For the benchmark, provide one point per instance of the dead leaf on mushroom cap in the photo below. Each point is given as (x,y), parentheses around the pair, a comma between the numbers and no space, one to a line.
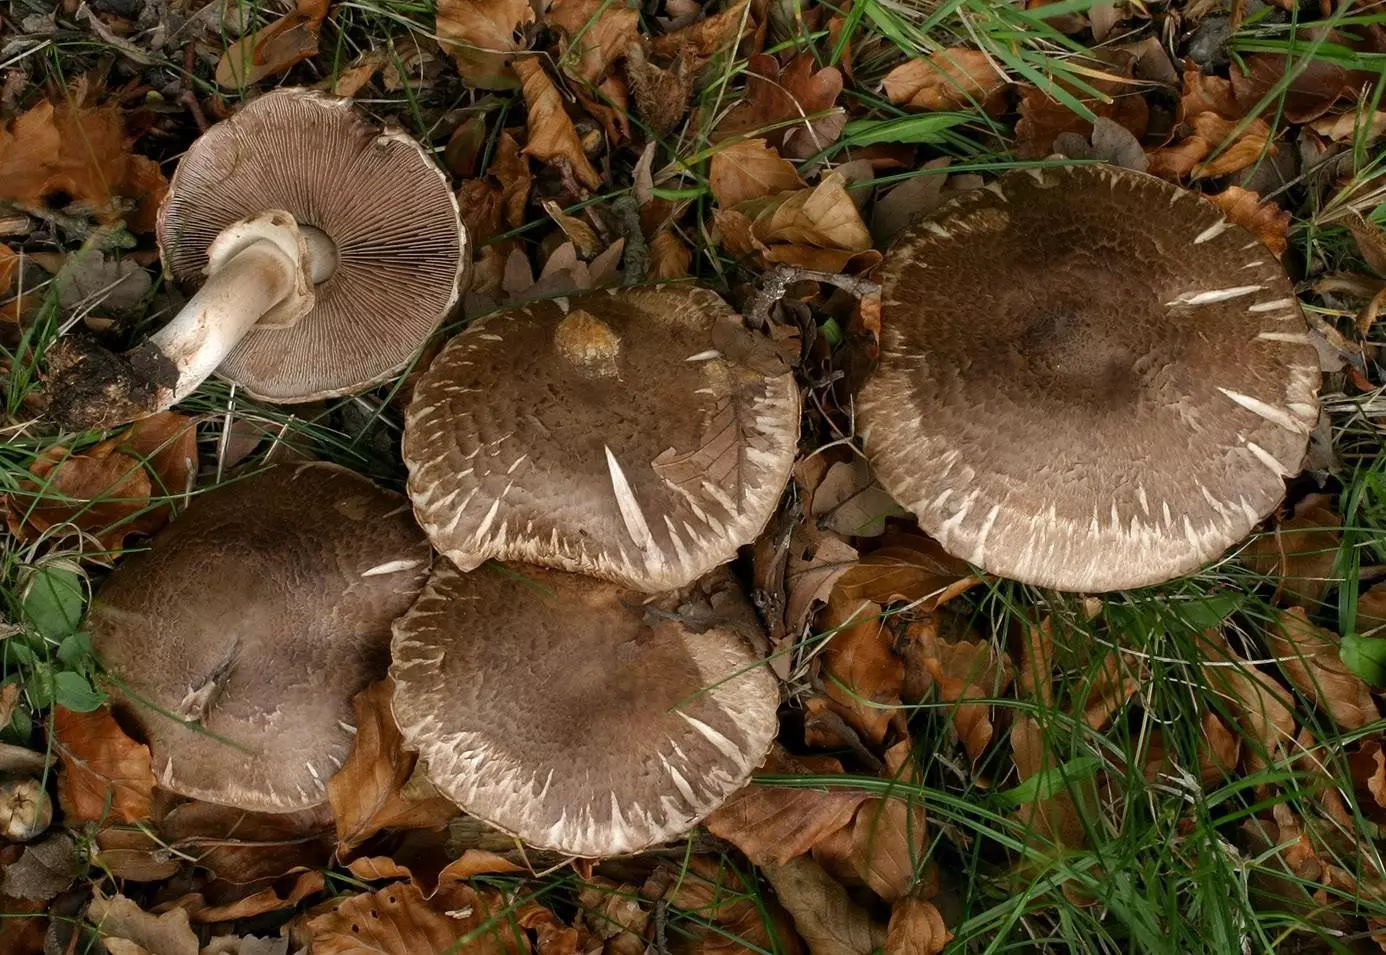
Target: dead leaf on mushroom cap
(482,36)
(106,490)
(1269,222)
(954,78)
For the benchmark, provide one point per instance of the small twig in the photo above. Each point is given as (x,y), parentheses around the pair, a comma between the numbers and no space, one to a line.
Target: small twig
(661,924)
(189,99)
(637,253)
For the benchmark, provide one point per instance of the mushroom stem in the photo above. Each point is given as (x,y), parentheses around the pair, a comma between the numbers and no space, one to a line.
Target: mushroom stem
(260,271)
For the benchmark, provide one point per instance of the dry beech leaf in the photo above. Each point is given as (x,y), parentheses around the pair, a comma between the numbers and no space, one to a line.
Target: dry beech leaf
(907,567)
(597,33)
(1301,552)
(772,824)
(1219,750)
(1316,84)
(1044,118)
(1309,657)
(862,676)
(82,153)
(954,78)
(1261,708)
(552,137)
(291,39)
(1269,222)
(1115,680)
(1347,125)
(885,846)
(741,916)
(482,36)
(243,847)
(126,929)
(968,670)
(670,257)
(749,169)
(367,793)
(1368,767)
(105,490)
(1212,132)
(823,217)
(105,775)
(510,167)
(827,919)
(614,914)
(706,38)
(397,920)
(1049,823)
(916,928)
(265,900)
(816,561)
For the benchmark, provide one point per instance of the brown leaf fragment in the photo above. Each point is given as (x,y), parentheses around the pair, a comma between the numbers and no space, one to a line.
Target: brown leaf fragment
(265,900)
(42,871)
(1269,222)
(1309,657)
(707,37)
(397,920)
(596,34)
(822,217)
(1043,117)
(966,670)
(749,169)
(552,136)
(741,916)
(1055,822)
(126,928)
(779,104)
(367,794)
(670,257)
(1368,768)
(907,567)
(1317,84)
(1219,750)
(773,824)
(1115,680)
(105,775)
(827,918)
(291,39)
(614,914)
(243,847)
(916,928)
(1300,554)
(1261,708)
(950,79)
(482,36)
(862,676)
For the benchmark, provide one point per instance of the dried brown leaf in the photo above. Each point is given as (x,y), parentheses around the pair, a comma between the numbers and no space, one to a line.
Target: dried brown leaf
(265,900)
(482,36)
(596,34)
(552,136)
(1300,554)
(965,670)
(291,39)
(243,847)
(822,217)
(780,103)
(1043,118)
(1269,222)
(1260,706)
(829,921)
(1049,823)
(907,568)
(773,824)
(1314,87)
(1309,657)
(863,677)
(749,169)
(367,795)
(670,257)
(916,928)
(1116,679)
(953,78)
(707,37)
(397,920)
(105,775)
(126,928)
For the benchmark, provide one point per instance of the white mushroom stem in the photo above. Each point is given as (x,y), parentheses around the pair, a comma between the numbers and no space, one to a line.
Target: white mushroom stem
(260,271)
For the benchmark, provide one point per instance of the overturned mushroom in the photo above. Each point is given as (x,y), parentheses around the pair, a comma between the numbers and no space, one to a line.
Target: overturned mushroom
(574,714)
(330,250)
(1089,379)
(639,435)
(237,641)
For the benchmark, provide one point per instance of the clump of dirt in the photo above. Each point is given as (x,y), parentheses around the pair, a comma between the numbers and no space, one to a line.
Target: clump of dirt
(88,386)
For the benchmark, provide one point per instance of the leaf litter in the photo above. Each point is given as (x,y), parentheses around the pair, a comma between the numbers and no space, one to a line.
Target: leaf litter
(569,128)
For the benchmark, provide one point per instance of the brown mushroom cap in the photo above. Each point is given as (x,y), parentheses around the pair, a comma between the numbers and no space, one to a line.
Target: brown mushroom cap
(638,435)
(401,248)
(256,616)
(1089,379)
(574,714)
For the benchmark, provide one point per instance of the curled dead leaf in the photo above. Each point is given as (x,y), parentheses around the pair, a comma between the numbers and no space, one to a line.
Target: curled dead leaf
(552,136)
(126,929)
(1309,657)
(291,39)
(749,169)
(596,34)
(827,918)
(1269,222)
(863,677)
(398,920)
(773,824)
(368,793)
(482,36)
(967,670)
(916,928)
(954,78)
(670,257)
(105,775)
(1260,706)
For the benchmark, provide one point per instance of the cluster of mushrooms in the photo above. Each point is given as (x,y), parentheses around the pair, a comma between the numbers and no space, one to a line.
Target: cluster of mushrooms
(1088,380)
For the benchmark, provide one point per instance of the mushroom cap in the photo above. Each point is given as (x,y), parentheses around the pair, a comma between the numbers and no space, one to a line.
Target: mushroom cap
(258,614)
(401,248)
(1089,379)
(573,714)
(637,435)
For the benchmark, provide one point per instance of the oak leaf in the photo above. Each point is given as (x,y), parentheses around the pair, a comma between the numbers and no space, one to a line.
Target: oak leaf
(368,793)
(827,918)
(916,928)
(954,78)
(781,103)
(747,170)
(1309,657)
(482,36)
(773,824)
(105,775)
(552,136)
